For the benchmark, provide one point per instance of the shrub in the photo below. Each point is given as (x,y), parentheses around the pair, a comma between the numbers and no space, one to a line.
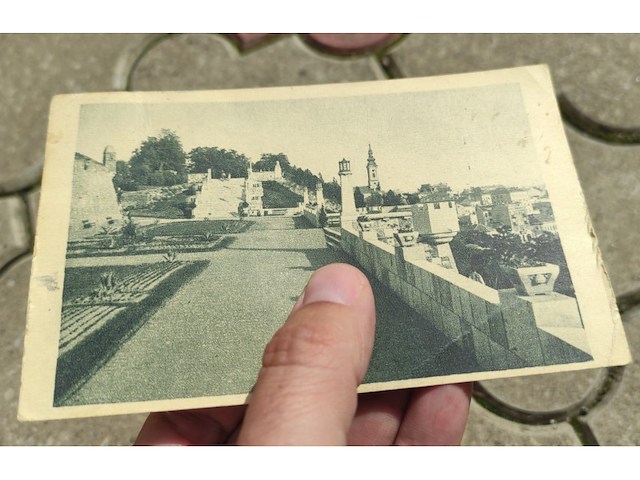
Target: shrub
(171,256)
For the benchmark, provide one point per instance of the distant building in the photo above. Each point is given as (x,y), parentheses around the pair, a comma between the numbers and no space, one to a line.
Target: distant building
(373,179)
(500,196)
(536,193)
(468,219)
(438,221)
(480,198)
(483,215)
(485,199)
(542,223)
(543,207)
(513,216)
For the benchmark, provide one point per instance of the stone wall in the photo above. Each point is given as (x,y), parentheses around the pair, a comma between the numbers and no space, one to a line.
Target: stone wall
(500,329)
(286,212)
(311,214)
(94,203)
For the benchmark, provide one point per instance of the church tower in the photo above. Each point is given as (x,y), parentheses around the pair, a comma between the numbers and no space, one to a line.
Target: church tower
(372,171)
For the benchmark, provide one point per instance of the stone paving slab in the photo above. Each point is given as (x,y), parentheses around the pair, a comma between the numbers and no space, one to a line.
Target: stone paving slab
(599,73)
(617,421)
(610,179)
(14,228)
(34,68)
(33,200)
(117,430)
(188,62)
(486,428)
(545,393)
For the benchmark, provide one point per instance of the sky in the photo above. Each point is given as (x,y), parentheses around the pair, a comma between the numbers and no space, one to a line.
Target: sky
(463,137)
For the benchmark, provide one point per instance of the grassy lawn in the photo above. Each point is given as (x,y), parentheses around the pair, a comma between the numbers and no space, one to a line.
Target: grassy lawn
(201,227)
(168,212)
(279,196)
(81,281)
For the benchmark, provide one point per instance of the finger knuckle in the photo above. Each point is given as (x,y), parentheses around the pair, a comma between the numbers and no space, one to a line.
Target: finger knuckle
(307,343)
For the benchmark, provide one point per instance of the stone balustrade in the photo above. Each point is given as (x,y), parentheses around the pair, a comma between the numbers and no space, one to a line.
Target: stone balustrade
(499,328)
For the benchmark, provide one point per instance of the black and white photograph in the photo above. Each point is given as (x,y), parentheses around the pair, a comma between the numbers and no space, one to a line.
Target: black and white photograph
(187,225)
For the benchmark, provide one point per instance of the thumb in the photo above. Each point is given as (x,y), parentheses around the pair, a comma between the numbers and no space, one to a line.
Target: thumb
(306,390)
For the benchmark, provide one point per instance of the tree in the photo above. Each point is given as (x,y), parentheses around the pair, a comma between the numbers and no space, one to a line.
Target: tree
(477,251)
(358,196)
(123,180)
(268,161)
(435,193)
(159,160)
(391,198)
(221,162)
(412,198)
(332,191)
(374,200)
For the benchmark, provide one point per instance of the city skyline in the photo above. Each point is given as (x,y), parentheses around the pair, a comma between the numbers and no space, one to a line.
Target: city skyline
(481,139)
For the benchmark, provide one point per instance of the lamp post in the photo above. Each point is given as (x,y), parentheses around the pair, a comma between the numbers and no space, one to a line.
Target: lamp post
(349,212)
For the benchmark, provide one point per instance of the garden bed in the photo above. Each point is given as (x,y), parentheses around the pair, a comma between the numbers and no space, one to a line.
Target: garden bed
(199,227)
(161,245)
(93,331)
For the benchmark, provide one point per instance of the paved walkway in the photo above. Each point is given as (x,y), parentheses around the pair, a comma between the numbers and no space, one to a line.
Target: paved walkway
(596,77)
(212,331)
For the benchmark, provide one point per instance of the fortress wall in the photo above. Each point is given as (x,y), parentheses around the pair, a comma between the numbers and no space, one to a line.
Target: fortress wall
(94,201)
(500,329)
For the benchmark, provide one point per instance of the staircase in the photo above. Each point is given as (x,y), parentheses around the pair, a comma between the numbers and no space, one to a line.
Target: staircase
(219,198)
(272,223)
(332,237)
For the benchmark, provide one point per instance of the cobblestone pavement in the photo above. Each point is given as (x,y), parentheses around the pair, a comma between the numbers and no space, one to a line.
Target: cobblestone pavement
(597,79)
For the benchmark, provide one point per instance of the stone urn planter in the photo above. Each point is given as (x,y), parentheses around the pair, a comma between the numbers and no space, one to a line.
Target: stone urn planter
(533,280)
(406,239)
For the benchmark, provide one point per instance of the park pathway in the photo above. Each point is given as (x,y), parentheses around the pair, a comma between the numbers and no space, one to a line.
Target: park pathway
(208,338)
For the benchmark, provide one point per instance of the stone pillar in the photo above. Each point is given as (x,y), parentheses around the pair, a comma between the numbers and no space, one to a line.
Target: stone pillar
(208,173)
(319,195)
(305,196)
(349,212)
(554,313)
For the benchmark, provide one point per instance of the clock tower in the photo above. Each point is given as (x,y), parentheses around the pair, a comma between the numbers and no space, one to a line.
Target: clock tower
(372,171)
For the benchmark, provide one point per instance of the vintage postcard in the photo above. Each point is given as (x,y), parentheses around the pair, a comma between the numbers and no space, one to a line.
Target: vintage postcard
(177,229)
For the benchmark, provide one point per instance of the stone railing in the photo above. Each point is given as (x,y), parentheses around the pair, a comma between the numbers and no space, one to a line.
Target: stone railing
(500,328)
(312,215)
(282,212)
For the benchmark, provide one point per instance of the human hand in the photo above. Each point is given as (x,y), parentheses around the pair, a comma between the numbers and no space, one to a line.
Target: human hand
(306,390)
